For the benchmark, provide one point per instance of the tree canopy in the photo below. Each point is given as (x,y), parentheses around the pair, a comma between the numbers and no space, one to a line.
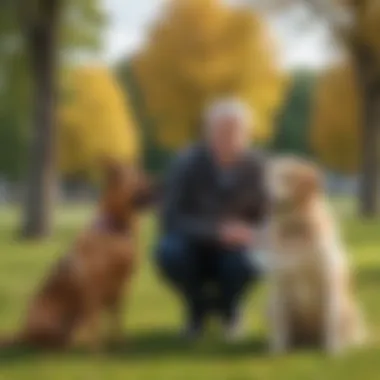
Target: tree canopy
(95,121)
(337,119)
(292,132)
(200,50)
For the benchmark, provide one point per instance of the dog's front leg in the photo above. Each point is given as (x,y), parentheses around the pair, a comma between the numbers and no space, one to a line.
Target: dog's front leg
(280,333)
(93,325)
(332,339)
(332,311)
(115,332)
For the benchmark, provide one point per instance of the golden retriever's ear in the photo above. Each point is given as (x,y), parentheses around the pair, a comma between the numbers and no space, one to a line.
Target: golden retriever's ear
(312,181)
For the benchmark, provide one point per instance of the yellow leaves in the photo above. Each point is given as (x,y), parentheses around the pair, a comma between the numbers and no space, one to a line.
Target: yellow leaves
(201,50)
(369,23)
(364,23)
(336,119)
(94,121)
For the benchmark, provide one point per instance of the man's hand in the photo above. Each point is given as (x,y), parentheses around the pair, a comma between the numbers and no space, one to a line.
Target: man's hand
(236,234)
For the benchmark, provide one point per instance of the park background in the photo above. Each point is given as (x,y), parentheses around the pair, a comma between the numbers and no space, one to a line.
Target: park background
(81,80)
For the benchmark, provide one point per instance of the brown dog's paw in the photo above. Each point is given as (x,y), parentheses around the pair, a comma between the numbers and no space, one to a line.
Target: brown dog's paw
(116,343)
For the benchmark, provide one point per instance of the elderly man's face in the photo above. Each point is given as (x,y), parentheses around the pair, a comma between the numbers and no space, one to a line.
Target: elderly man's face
(228,139)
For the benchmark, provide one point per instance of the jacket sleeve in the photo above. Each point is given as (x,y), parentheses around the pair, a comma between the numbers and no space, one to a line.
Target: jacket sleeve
(176,214)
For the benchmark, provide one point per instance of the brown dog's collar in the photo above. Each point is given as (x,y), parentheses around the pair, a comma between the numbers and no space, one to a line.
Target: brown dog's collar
(108,225)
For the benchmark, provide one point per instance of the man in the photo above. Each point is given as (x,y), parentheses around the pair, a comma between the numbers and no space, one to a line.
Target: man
(214,207)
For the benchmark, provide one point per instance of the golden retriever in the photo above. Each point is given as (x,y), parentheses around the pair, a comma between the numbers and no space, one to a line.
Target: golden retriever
(91,278)
(311,300)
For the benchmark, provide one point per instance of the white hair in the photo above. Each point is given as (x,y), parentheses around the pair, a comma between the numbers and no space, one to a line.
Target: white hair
(229,107)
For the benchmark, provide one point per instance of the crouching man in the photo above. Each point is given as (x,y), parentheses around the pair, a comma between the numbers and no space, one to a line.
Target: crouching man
(214,207)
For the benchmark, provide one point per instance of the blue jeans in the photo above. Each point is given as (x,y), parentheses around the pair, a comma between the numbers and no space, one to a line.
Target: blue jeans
(209,277)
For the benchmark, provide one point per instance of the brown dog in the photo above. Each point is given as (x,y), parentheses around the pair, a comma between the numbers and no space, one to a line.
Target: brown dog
(91,278)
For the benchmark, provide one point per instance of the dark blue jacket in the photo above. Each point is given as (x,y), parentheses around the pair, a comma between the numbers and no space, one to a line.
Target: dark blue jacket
(198,196)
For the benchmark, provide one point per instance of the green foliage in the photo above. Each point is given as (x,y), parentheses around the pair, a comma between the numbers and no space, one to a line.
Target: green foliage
(293,127)
(155,156)
(82,20)
(14,114)
(13,146)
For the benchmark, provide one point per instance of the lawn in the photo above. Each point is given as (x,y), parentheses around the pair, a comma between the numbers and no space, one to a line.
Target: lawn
(153,349)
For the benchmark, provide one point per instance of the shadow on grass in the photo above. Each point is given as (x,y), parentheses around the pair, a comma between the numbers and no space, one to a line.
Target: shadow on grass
(369,277)
(152,345)
(165,343)
(16,354)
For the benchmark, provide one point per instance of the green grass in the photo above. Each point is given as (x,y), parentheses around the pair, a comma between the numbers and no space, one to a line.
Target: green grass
(152,349)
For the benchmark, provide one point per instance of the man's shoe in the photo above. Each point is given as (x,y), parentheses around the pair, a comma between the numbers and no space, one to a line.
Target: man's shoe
(233,330)
(193,331)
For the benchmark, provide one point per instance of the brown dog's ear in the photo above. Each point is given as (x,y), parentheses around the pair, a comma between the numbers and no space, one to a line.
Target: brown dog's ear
(147,192)
(111,170)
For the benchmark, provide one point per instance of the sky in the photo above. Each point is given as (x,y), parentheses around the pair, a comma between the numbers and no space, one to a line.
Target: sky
(129,22)
(302,42)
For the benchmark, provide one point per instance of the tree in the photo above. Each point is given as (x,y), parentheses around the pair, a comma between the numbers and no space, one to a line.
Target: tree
(95,122)
(40,24)
(40,29)
(336,137)
(200,50)
(79,34)
(364,43)
(355,25)
(292,134)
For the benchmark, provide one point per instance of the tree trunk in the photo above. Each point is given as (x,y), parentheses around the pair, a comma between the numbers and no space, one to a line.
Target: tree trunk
(370,94)
(369,184)
(41,40)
